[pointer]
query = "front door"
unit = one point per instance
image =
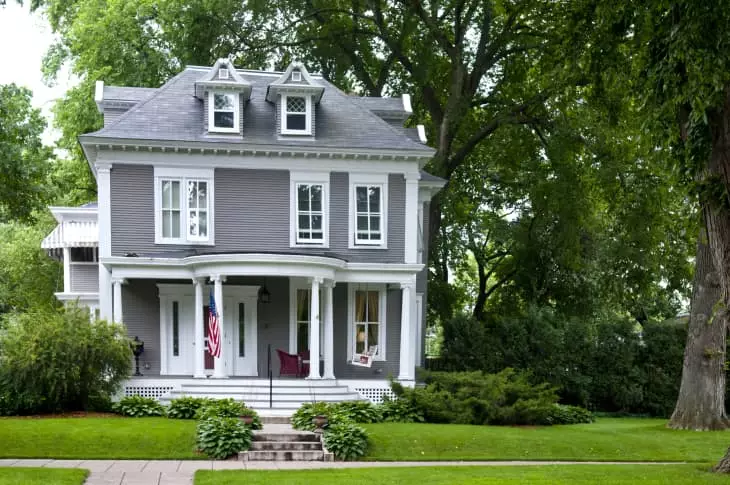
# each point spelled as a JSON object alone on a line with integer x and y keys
{"x": 179, "y": 336}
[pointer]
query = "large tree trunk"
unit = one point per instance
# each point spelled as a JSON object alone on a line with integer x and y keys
{"x": 701, "y": 402}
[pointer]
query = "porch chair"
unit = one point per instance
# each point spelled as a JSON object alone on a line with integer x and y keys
{"x": 288, "y": 364}
{"x": 304, "y": 363}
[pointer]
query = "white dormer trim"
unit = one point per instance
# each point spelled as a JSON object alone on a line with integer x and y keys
{"x": 406, "y": 98}
{"x": 308, "y": 125}
{"x": 236, "y": 113}
{"x": 296, "y": 75}
{"x": 308, "y": 85}
{"x": 212, "y": 80}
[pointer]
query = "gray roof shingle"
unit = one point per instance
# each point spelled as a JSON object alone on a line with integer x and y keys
{"x": 173, "y": 113}
{"x": 123, "y": 93}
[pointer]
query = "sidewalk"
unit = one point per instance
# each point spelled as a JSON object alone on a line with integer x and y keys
{"x": 177, "y": 472}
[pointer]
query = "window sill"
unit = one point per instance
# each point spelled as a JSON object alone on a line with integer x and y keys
{"x": 312, "y": 246}
{"x": 368, "y": 246}
{"x": 228, "y": 131}
{"x": 162, "y": 242}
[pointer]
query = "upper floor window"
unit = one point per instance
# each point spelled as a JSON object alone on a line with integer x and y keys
{"x": 309, "y": 209}
{"x": 368, "y": 210}
{"x": 223, "y": 115}
{"x": 296, "y": 116}
{"x": 184, "y": 206}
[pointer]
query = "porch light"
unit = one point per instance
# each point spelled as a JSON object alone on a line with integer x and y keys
{"x": 264, "y": 295}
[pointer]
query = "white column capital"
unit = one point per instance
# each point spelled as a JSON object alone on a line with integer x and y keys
{"x": 218, "y": 278}
{"x": 317, "y": 279}
{"x": 198, "y": 280}
{"x": 412, "y": 177}
{"x": 408, "y": 286}
{"x": 103, "y": 167}
{"x": 118, "y": 281}
{"x": 329, "y": 283}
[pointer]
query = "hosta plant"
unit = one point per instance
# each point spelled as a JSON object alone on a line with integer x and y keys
{"x": 302, "y": 417}
{"x": 346, "y": 440}
{"x": 221, "y": 408}
{"x": 186, "y": 407}
{"x": 359, "y": 411}
{"x": 138, "y": 406}
{"x": 222, "y": 437}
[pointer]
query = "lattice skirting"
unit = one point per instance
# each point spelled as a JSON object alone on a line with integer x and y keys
{"x": 147, "y": 391}
{"x": 375, "y": 394}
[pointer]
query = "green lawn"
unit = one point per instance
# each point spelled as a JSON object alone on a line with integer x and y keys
{"x": 608, "y": 439}
{"x": 42, "y": 476}
{"x": 553, "y": 475}
{"x": 97, "y": 438}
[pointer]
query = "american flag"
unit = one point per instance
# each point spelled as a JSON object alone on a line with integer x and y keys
{"x": 214, "y": 331}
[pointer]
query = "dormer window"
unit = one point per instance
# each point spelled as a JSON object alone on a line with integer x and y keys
{"x": 296, "y": 116}
{"x": 223, "y": 113}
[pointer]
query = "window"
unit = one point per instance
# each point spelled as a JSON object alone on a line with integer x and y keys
{"x": 310, "y": 213}
{"x": 368, "y": 214}
{"x": 84, "y": 255}
{"x": 241, "y": 331}
{"x": 301, "y": 317}
{"x": 175, "y": 330}
{"x": 296, "y": 115}
{"x": 223, "y": 112}
{"x": 296, "y": 76}
{"x": 367, "y": 309}
{"x": 184, "y": 206}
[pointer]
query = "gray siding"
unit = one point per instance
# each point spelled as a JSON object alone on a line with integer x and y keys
{"x": 380, "y": 369}
{"x": 141, "y": 307}
{"x": 84, "y": 278}
{"x": 251, "y": 214}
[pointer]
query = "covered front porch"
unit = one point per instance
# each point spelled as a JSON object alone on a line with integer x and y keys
{"x": 339, "y": 316}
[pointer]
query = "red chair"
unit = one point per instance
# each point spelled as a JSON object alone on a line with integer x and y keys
{"x": 304, "y": 363}
{"x": 288, "y": 364}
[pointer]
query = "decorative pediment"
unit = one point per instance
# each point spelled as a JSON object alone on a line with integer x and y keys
{"x": 222, "y": 77}
{"x": 295, "y": 80}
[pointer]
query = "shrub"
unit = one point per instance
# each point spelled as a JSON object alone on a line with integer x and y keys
{"x": 359, "y": 411}
{"x": 400, "y": 411}
{"x": 302, "y": 417}
{"x": 138, "y": 407}
{"x": 227, "y": 408}
{"x": 562, "y": 414}
{"x": 186, "y": 407}
{"x": 59, "y": 360}
{"x": 346, "y": 440}
{"x": 220, "y": 437}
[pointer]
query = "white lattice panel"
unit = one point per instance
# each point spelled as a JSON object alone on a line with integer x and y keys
{"x": 375, "y": 394}
{"x": 147, "y": 391}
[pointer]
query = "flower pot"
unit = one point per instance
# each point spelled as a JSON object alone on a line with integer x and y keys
{"x": 246, "y": 419}
{"x": 319, "y": 421}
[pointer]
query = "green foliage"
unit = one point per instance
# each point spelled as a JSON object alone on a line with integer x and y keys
{"x": 227, "y": 408}
{"x": 302, "y": 417}
{"x": 221, "y": 437}
{"x": 359, "y": 411}
{"x": 186, "y": 407}
{"x": 139, "y": 407}
{"x": 400, "y": 411}
{"x": 562, "y": 414}
{"x": 24, "y": 161}
{"x": 59, "y": 361}
{"x": 346, "y": 440}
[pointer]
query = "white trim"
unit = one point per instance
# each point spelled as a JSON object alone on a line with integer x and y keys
{"x": 407, "y": 103}
{"x": 183, "y": 176}
{"x": 103, "y": 183}
{"x": 312, "y": 178}
{"x": 296, "y": 284}
{"x": 296, "y": 75}
{"x": 382, "y": 316}
{"x": 368, "y": 179}
{"x": 420, "y": 327}
{"x": 67, "y": 269}
{"x": 307, "y": 115}
{"x": 99, "y": 92}
{"x": 236, "y": 112}
{"x": 411, "y": 222}
{"x": 422, "y": 133}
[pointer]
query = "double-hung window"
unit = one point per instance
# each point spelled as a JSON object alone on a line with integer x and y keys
{"x": 223, "y": 112}
{"x": 368, "y": 210}
{"x": 367, "y": 321}
{"x": 296, "y": 115}
{"x": 310, "y": 213}
{"x": 184, "y": 206}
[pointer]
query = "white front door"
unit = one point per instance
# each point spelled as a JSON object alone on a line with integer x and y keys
{"x": 179, "y": 335}
{"x": 242, "y": 329}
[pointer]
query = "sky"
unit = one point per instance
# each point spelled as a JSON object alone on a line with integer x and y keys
{"x": 24, "y": 39}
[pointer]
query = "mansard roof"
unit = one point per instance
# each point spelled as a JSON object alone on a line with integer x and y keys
{"x": 173, "y": 113}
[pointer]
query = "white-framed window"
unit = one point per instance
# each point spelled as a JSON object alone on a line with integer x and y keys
{"x": 183, "y": 206}
{"x": 366, "y": 317}
{"x": 368, "y": 220}
{"x": 296, "y": 114}
{"x": 309, "y": 210}
{"x": 223, "y": 112}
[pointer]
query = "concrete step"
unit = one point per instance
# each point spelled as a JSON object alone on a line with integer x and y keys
{"x": 286, "y": 446}
{"x": 283, "y": 456}
{"x": 288, "y": 437}
{"x": 264, "y": 396}
{"x": 214, "y": 387}
{"x": 275, "y": 420}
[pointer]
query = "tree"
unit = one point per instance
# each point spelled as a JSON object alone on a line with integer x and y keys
{"x": 23, "y": 158}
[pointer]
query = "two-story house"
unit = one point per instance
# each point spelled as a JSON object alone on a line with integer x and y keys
{"x": 296, "y": 207}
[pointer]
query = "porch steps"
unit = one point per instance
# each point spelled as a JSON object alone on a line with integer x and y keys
{"x": 285, "y": 444}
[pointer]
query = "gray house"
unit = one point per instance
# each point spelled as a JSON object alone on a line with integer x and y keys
{"x": 297, "y": 208}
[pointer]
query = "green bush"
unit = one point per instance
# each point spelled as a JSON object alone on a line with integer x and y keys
{"x": 220, "y": 437}
{"x": 476, "y": 398}
{"x": 227, "y": 408}
{"x": 400, "y": 411}
{"x": 138, "y": 407}
{"x": 186, "y": 407}
{"x": 359, "y": 411}
{"x": 54, "y": 361}
{"x": 346, "y": 440}
{"x": 562, "y": 414}
{"x": 302, "y": 417}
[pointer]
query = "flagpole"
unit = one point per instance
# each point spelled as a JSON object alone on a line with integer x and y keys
{"x": 219, "y": 369}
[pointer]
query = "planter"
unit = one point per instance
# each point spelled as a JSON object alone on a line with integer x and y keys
{"x": 247, "y": 420}
{"x": 319, "y": 422}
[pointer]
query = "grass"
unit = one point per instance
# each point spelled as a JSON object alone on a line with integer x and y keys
{"x": 97, "y": 438}
{"x": 553, "y": 475}
{"x": 608, "y": 439}
{"x": 42, "y": 476}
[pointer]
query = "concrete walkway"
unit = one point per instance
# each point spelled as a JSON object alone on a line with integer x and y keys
{"x": 176, "y": 472}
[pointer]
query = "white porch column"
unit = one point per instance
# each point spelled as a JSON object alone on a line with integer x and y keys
{"x": 117, "y": 284}
{"x": 407, "y": 368}
{"x": 199, "y": 330}
{"x": 219, "y": 369}
{"x": 103, "y": 183}
{"x": 314, "y": 330}
{"x": 66, "y": 270}
{"x": 329, "y": 358}
{"x": 411, "y": 233}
